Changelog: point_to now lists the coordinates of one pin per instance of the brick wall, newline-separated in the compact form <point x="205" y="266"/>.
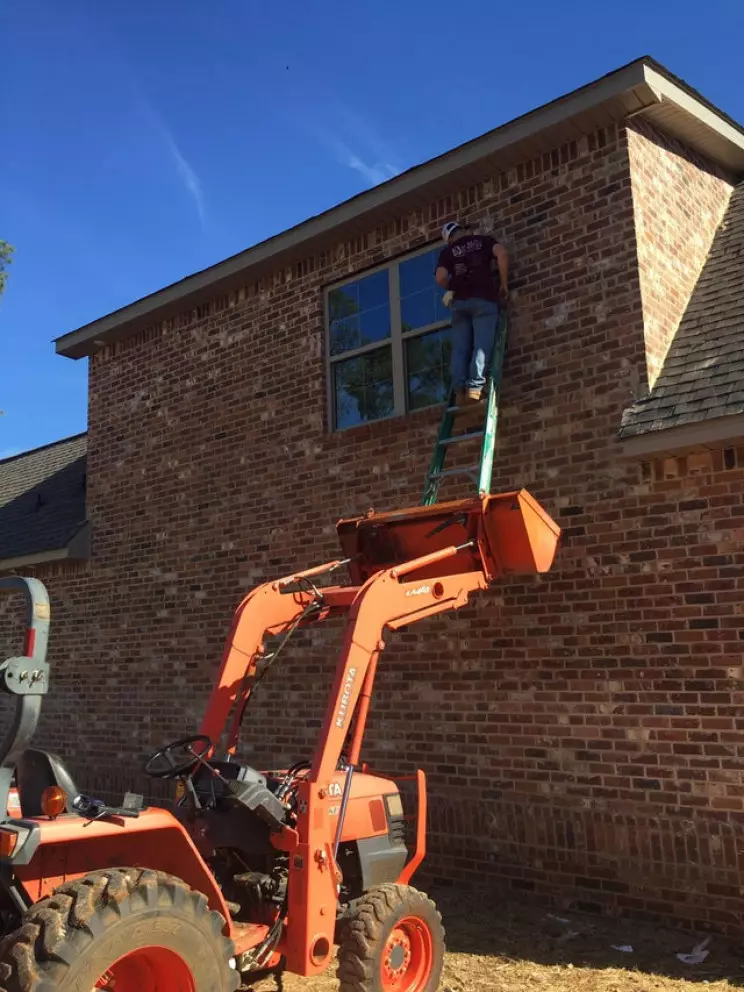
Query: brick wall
<point x="579" y="729"/>
<point x="612" y="736"/>
<point x="679" y="200"/>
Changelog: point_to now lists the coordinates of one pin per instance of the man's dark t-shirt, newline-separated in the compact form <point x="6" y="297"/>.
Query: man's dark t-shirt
<point x="472" y="268"/>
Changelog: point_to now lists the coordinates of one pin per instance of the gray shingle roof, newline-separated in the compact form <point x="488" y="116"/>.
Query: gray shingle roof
<point x="703" y="374"/>
<point x="42" y="498"/>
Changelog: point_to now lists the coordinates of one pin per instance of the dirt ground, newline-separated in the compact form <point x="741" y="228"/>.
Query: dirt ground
<point x="519" y="949"/>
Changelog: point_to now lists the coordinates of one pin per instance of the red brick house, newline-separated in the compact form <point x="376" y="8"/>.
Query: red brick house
<point x="582" y="730"/>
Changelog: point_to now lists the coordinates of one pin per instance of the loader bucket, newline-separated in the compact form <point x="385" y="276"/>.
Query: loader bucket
<point x="513" y="536"/>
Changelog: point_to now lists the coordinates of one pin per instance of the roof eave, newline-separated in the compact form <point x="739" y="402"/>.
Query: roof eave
<point x="713" y="433"/>
<point x="688" y="116"/>
<point x="77" y="549"/>
<point x="37" y="558"/>
<point x="638" y="88"/>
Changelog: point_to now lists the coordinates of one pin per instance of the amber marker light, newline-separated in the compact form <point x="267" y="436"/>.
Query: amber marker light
<point x="53" y="801"/>
<point x="8" y="841"/>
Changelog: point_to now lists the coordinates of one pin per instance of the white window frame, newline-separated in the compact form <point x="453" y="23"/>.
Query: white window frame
<point x="396" y="342"/>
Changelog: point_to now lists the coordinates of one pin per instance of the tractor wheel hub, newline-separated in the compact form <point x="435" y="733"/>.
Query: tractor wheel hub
<point x="397" y="955"/>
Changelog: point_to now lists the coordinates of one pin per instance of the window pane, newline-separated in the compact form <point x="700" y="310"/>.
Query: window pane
<point x="418" y="273"/>
<point x="418" y="310"/>
<point x="345" y="335"/>
<point x="373" y="291"/>
<point x="427" y="368"/>
<point x="343" y="302"/>
<point x="374" y="325"/>
<point x="359" y="313"/>
<point x="420" y="297"/>
<point x="363" y="388"/>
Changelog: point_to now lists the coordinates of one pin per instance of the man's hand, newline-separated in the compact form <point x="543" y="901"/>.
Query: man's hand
<point x="503" y="295"/>
<point x="442" y="276"/>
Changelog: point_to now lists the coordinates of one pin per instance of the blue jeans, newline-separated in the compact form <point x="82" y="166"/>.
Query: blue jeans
<point x="474" y="324"/>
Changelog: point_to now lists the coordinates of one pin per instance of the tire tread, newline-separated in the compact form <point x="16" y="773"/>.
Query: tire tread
<point x="47" y="933"/>
<point x="362" y="933"/>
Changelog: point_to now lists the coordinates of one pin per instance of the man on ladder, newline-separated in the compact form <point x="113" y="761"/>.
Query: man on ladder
<point x="465" y="271"/>
<point x="478" y="301"/>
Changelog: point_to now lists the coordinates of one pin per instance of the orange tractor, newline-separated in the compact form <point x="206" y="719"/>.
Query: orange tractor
<point x="251" y="871"/>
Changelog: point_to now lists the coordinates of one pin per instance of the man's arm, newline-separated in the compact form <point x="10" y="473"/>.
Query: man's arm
<point x="502" y="260"/>
<point x="443" y="271"/>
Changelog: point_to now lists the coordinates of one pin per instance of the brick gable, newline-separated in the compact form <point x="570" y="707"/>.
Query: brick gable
<point x="679" y="200"/>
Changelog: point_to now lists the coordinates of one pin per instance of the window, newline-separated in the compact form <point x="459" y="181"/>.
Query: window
<point x="388" y="342"/>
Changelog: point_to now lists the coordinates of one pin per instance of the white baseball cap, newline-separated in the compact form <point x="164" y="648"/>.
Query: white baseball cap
<point x="449" y="229"/>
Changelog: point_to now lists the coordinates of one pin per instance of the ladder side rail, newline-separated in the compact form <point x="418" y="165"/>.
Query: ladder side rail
<point x="488" y="444"/>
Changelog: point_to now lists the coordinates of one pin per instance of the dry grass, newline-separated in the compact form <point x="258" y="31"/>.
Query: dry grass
<point x="492" y="949"/>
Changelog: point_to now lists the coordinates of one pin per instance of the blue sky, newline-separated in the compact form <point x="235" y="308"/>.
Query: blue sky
<point x="144" y="141"/>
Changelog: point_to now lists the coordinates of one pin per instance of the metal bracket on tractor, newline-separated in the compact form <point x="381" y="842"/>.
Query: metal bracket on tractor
<point x="26" y="677"/>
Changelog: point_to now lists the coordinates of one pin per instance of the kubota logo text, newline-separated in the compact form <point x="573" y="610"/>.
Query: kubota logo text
<point x="345" y="696"/>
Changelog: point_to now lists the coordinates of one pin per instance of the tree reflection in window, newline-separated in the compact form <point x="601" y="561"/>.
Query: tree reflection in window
<point x="359" y="313"/>
<point x="427" y="368"/>
<point x="420" y="297"/>
<point x="364" y="387"/>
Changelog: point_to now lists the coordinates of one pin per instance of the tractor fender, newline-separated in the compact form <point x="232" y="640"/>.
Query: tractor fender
<point x="49" y="853"/>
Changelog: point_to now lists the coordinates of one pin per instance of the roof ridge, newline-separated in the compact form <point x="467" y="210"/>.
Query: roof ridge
<point x="42" y="447"/>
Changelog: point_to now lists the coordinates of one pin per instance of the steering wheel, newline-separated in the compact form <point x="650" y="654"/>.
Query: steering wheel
<point x="178" y="758"/>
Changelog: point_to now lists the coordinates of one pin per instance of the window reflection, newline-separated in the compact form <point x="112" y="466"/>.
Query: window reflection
<point x="427" y="368"/>
<point x="359" y="313"/>
<point x="364" y="387"/>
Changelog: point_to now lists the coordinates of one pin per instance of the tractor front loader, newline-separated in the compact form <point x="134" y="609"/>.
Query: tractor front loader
<point x="251" y="870"/>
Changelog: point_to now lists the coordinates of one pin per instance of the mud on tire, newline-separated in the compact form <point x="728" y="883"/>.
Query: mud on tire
<point x="148" y="925"/>
<point x="392" y="938"/>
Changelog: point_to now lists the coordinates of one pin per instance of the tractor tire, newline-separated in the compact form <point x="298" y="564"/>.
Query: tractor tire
<point x="128" y="930"/>
<point x="391" y="940"/>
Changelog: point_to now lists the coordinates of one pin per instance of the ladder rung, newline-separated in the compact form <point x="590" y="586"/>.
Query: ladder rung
<point x="466" y="470"/>
<point x="468" y="408"/>
<point x="461" y="437"/>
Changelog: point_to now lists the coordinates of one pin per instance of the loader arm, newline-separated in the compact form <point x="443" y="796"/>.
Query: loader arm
<point x="276" y="608"/>
<point x="480" y="540"/>
<point x="270" y="609"/>
<point x="384" y="601"/>
<point x="389" y="599"/>
<point x="404" y="566"/>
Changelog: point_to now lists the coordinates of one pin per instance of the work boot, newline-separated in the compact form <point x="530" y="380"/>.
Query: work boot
<point x="473" y="396"/>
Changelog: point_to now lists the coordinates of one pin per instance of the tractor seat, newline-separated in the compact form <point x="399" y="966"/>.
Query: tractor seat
<point x="35" y="771"/>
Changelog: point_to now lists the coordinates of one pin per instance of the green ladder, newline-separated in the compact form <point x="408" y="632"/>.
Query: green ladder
<point x="482" y="472"/>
